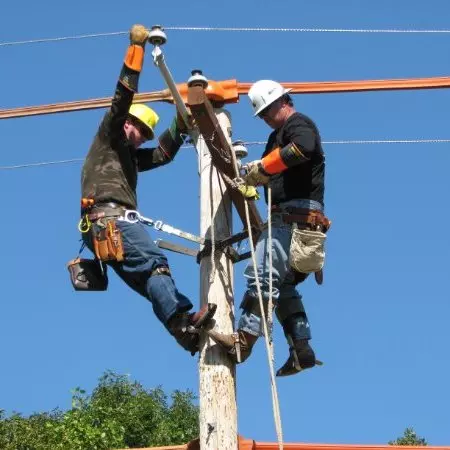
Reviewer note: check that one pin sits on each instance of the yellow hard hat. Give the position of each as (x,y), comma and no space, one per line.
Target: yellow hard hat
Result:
(145,115)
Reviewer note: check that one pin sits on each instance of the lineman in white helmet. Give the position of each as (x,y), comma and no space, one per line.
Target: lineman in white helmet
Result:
(293,164)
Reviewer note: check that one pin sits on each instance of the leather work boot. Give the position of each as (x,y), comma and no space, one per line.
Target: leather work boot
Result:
(301,357)
(184,326)
(238,345)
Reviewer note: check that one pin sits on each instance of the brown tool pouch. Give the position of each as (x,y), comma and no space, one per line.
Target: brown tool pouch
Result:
(107,241)
(87,275)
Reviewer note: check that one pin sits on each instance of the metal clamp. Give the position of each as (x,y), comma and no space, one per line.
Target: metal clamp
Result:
(157,38)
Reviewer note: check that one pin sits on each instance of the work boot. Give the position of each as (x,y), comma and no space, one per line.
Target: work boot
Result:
(238,345)
(185,326)
(301,357)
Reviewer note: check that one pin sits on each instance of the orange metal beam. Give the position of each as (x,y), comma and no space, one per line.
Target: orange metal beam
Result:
(228,91)
(252,445)
(249,444)
(322,87)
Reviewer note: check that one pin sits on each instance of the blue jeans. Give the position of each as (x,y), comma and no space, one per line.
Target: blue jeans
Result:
(141,257)
(287,300)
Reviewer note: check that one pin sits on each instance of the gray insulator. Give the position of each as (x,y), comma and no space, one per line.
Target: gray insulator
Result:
(240,149)
(197,78)
(157,35)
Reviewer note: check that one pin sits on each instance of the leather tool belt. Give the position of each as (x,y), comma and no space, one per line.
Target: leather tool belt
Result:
(101,210)
(106,236)
(312,219)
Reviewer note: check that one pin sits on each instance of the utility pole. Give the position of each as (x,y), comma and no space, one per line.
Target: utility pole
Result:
(218,410)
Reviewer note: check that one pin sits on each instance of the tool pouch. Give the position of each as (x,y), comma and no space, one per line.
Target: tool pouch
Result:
(107,240)
(307,250)
(87,274)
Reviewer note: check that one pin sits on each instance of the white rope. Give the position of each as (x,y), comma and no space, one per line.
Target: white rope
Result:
(275,401)
(213,231)
(267,335)
(270,312)
(269,246)
(238,29)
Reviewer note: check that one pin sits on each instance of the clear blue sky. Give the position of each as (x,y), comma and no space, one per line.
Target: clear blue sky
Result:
(380,321)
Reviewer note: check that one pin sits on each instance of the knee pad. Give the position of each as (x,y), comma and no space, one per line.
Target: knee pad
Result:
(299,277)
(289,308)
(250,304)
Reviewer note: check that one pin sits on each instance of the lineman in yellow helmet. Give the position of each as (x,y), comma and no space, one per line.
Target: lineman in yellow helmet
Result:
(145,116)
(109,179)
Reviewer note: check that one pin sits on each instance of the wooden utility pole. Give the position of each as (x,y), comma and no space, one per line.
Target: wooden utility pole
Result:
(218,410)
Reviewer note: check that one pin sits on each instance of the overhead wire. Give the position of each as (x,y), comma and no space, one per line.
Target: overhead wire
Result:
(252,143)
(236,29)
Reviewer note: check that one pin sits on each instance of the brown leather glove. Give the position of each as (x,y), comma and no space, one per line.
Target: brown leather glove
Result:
(138,35)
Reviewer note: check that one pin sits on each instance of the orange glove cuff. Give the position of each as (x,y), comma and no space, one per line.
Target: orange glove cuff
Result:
(134,57)
(273,163)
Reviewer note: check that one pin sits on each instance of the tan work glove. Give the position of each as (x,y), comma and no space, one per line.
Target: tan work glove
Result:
(256,175)
(138,35)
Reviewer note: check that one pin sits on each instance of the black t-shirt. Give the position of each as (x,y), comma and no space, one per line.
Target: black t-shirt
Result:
(306,179)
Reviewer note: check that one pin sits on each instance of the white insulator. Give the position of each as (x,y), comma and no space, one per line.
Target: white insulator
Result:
(240,149)
(197,78)
(157,35)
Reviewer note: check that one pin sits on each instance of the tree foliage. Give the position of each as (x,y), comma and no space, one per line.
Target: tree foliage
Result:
(118,414)
(409,438)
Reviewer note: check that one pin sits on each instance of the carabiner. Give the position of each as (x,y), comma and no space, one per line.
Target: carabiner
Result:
(84,225)
(131,216)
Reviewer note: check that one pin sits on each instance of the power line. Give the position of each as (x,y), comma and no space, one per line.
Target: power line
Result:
(252,143)
(237,29)
(63,38)
(307,30)
(371,141)
(39,164)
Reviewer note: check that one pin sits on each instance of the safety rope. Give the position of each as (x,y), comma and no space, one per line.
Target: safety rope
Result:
(275,401)
(277,413)
(267,335)
(237,29)
(269,245)
(213,231)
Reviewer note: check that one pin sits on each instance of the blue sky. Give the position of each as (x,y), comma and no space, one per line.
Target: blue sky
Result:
(380,321)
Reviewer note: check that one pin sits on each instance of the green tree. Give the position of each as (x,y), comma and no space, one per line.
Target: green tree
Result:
(118,414)
(409,438)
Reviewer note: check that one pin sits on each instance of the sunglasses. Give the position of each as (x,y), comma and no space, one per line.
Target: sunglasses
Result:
(143,130)
(265,111)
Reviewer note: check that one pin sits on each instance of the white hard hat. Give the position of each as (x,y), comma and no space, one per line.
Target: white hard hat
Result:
(263,93)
